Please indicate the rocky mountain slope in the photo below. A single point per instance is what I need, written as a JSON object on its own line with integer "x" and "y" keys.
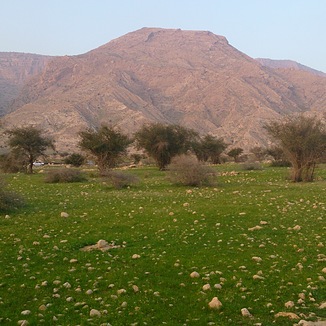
{"x": 15, "y": 70}
{"x": 193, "y": 78}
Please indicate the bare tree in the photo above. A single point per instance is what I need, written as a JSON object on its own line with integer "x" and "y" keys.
{"x": 303, "y": 141}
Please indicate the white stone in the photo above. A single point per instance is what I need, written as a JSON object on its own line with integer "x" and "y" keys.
{"x": 23, "y": 322}
{"x": 206, "y": 287}
{"x": 256, "y": 259}
{"x": 289, "y": 304}
{"x": 67, "y": 285}
{"x": 64, "y": 214}
{"x": 215, "y": 303}
{"x": 311, "y": 323}
{"x": 135, "y": 256}
{"x": 135, "y": 288}
{"x": 194, "y": 275}
{"x": 245, "y": 312}
{"x": 121, "y": 291}
{"x": 25, "y": 312}
{"x": 102, "y": 244}
{"x": 324, "y": 270}
{"x": 94, "y": 313}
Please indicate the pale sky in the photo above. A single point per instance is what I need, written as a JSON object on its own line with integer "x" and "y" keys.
{"x": 275, "y": 29}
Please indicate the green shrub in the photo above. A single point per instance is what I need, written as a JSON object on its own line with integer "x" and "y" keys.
{"x": 188, "y": 171}
{"x": 280, "y": 163}
{"x": 120, "y": 179}
{"x": 75, "y": 159}
{"x": 64, "y": 176}
{"x": 10, "y": 163}
{"x": 251, "y": 166}
{"x": 9, "y": 200}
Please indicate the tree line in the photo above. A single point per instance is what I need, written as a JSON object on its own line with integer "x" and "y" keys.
{"x": 298, "y": 139}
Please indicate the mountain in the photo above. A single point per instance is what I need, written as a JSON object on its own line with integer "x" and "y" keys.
{"x": 15, "y": 70}
{"x": 288, "y": 64}
{"x": 193, "y": 78}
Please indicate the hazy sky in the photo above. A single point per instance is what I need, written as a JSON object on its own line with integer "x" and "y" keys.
{"x": 276, "y": 29}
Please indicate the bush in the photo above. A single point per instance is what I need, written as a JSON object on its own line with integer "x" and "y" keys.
{"x": 64, "y": 176}
{"x": 281, "y": 163}
{"x": 120, "y": 179}
{"x": 251, "y": 166}
{"x": 9, "y": 200}
{"x": 10, "y": 163}
{"x": 188, "y": 171}
{"x": 75, "y": 159}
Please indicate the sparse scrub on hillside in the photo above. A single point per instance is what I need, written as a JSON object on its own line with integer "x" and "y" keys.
{"x": 9, "y": 200}
{"x": 64, "y": 176}
{"x": 119, "y": 179}
{"x": 188, "y": 171}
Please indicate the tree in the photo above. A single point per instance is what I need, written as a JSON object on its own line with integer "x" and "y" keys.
{"x": 303, "y": 141}
{"x": 29, "y": 144}
{"x": 210, "y": 147}
{"x": 235, "y": 153}
{"x": 106, "y": 145}
{"x": 163, "y": 142}
{"x": 259, "y": 153}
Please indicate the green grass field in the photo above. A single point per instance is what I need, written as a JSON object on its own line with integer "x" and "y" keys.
{"x": 257, "y": 240}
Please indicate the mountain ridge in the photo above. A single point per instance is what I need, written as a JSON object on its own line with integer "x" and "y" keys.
{"x": 193, "y": 78}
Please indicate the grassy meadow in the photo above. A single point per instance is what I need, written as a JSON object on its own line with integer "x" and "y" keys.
{"x": 256, "y": 240}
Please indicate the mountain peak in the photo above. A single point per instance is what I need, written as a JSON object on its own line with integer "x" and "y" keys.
{"x": 192, "y": 78}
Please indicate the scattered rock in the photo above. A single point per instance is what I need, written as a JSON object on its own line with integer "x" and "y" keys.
{"x": 311, "y": 323}
{"x": 290, "y": 315}
{"x": 194, "y": 275}
{"x": 324, "y": 270}
{"x": 102, "y": 245}
{"x": 257, "y": 259}
{"x": 255, "y": 228}
{"x": 215, "y": 303}
{"x": 64, "y": 214}
{"x": 23, "y": 322}
{"x": 26, "y": 312}
{"x": 94, "y": 313}
{"x": 135, "y": 256}
{"x": 322, "y": 305}
{"x": 289, "y": 304}
{"x": 296, "y": 228}
{"x": 206, "y": 287}
{"x": 245, "y": 312}
{"x": 121, "y": 291}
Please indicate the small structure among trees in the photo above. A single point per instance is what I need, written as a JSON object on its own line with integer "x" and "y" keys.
{"x": 28, "y": 144}
{"x": 302, "y": 140}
